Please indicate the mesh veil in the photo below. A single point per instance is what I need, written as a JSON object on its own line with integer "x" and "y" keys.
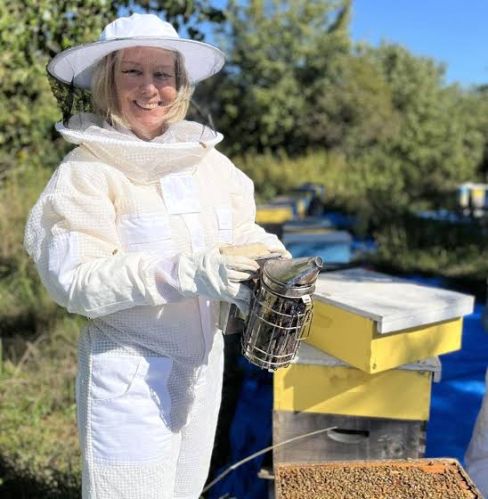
{"x": 72, "y": 101}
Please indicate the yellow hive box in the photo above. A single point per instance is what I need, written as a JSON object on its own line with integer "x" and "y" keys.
{"x": 296, "y": 200}
{"x": 377, "y": 322}
{"x": 269, "y": 214}
{"x": 316, "y": 382}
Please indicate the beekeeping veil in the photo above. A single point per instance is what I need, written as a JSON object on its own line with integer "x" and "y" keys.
{"x": 73, "y": 68}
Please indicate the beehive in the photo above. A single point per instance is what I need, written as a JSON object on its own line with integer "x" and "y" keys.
{"x": 309, "y": 225}
{"x": 273, "y": 214}
{"x": 298, "y": 201}
{"x": 333, "y": 247}
{"x": 316, "y": 382}
{"x": 377, "y": 322}
{"x": 398, "y": 479}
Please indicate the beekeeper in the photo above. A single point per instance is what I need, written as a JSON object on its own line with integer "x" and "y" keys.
{"x": 127, "y": 232}
{"x": 477, "y": 454}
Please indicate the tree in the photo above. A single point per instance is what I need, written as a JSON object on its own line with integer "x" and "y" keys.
{"x": 349, "y": 107}
{"x": 475, "y": 103}
{"x": 261, "y": 101}
{"x": 438, "y": 143}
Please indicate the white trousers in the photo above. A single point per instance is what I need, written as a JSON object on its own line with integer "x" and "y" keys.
{"x": 146, "y": 424}
{"x": 477, "y": 454}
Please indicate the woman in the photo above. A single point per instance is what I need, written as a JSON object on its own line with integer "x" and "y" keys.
{"x": 127, "y": 233}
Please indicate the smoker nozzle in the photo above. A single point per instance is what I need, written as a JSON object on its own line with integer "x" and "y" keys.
{"x": 294, "y": 272}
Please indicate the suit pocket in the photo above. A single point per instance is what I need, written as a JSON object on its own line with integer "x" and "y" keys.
{"x": 112, "y": 377}
{"x": 134, "y": 425}
{"x": 224, "y": 224}
{"x": 148, "y": 232}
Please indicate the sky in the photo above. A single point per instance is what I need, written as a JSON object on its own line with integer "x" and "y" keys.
{"x": 454, "y": 32}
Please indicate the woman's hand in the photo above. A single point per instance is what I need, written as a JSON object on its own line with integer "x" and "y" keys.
{"x": 284, "y": 253}
{"x": 255, "y": 250}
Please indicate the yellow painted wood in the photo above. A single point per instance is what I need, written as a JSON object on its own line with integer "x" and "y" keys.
{"x": 273, "y": 215}
{"x": 394, "y": 394}
{"x": 354, "y": 340}
{"x": 395, "y": 349}
{"x": 342, "y": 334}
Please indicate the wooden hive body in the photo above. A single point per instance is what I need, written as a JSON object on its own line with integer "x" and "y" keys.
{"x": 376, "y": 322}
{"x": 351, "y": 438}
{"x": 316, "y": 382}
{"x": 375, "y": 416}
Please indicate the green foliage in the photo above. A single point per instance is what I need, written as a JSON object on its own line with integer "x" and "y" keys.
{"x": 23, "y": 299}
{"x": 30, "y": 33}
{"x": 295, "y": 83}
{"x": 273, "y": 45}
{"x": 410, "y": 244}
{"x": 39, "y": 452}
{"x": 437, "y": 143}
{"x": 275, "y": 174}
{"x": 351, "y": 107}
{"x": 39, "y": 456}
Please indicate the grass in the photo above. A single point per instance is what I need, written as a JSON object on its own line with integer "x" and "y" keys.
{"x": 39, "y": 455}
{"x": 38, "y": 443}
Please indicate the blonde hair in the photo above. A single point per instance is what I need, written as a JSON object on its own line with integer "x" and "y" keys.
{"x": 104, "y": 96}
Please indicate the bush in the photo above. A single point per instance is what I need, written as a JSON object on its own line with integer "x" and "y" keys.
{"x": 275, "y": 174}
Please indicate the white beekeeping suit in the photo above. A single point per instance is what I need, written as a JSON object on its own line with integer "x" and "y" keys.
{"x": 108, "y": 235}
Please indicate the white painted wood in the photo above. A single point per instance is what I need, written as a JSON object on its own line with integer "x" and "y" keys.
{"x": 393, "y": 304}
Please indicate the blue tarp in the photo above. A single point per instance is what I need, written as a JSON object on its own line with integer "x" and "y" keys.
{"x": 457, "y": 398}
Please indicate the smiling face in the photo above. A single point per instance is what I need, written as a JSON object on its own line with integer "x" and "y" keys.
{"x": 145, "y": 83}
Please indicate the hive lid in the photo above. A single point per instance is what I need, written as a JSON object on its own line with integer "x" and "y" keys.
{"x": 393, "y": 304}
{"x": 309, "y": 223}
{"x": 310, "y": 355}
{"x": 319, "y": 237}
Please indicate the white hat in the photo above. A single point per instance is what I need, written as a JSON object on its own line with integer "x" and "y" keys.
{"x": 76, "y": 65}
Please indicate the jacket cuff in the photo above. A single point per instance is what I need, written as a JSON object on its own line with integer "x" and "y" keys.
{"x": 186, "y": 275}
{"x": 161, "y": 279}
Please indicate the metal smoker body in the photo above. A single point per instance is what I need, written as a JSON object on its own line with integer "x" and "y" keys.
{"x": 280, "y": 312}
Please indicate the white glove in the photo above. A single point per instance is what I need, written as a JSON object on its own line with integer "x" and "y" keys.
{"x": 283, "y": 251}
{"x": 216, "y": 276}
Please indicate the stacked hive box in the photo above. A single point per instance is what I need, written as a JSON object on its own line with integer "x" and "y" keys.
{"x": 333, "y": 246}
{"x": 280, "y": 210}
{"x": 274, "y": 214}
{"x": 363, "y": 368}
{"x": 376, "y": 322}
{"x": 317, "y": 236}
{"x": 379, "y": 415}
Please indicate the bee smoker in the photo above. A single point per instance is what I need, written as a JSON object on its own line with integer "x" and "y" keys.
{"x": 280, "y": 311}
